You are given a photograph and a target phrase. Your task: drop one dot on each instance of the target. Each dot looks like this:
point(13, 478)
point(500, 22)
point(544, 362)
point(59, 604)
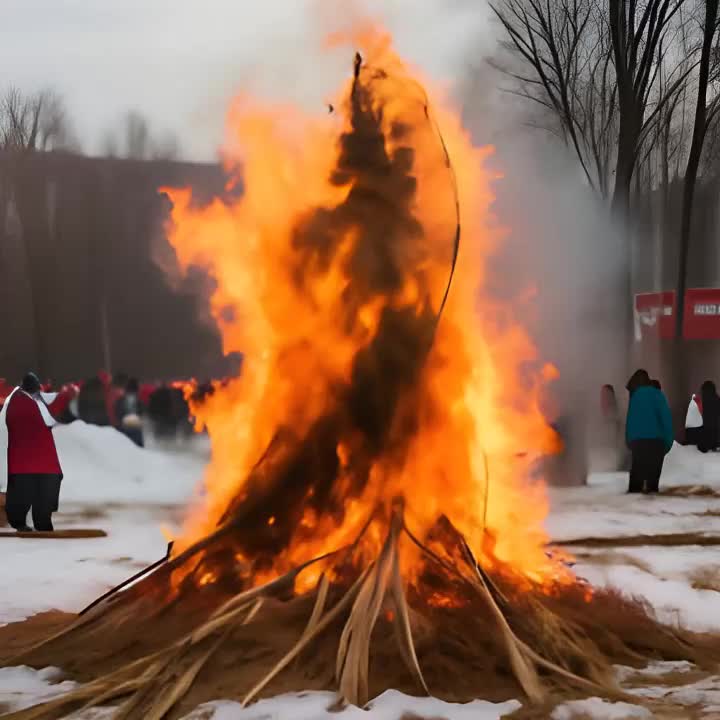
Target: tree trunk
point(624, 169)
point(698, 139)
point(691, 173)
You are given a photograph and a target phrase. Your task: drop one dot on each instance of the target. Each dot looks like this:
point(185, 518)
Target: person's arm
point(57, 405)
point(627, 423)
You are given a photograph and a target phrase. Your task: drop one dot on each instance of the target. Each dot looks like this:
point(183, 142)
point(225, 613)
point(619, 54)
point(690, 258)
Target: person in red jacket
point(34, 472)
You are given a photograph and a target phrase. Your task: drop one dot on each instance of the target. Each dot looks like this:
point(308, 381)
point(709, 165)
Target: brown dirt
point(454, 668)
point(612, 558)
point(690, 491)
point(707, 578)
point(660, 540)
point(17, 638)
point(460, 651)
point(56, 534)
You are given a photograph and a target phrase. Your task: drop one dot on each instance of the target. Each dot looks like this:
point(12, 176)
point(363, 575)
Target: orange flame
point(477, 430)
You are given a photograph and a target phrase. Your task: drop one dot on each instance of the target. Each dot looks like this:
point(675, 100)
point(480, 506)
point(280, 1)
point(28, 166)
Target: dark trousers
point(693, 435)
point(41, 493)
point(648, 457)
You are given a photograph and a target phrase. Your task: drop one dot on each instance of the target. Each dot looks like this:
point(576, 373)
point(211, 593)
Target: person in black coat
point(709, 435)
point(92, 405)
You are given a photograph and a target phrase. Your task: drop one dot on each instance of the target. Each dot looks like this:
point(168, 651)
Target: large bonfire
point(372, 515)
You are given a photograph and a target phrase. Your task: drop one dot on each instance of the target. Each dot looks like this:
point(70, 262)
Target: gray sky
point(180, 61)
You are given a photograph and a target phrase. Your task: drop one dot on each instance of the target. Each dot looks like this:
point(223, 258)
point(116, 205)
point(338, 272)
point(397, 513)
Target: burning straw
point(353, 543)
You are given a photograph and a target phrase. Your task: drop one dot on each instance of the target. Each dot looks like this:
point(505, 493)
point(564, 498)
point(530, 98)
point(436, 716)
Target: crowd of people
point(31, 410)
point(127, 404)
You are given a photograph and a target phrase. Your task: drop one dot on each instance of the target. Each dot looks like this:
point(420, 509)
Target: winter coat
point(31, 447)
point(649, 417)
point(710, 433)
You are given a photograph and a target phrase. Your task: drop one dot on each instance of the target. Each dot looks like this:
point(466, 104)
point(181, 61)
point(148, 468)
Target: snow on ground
point(391, 705)
point(598, 708)
point(131, 493)
point(671, 592)
point(102, 466)
point(23, 686)
point(603, 509)
point(681, 582)
point(68, 574)
point(110, 484)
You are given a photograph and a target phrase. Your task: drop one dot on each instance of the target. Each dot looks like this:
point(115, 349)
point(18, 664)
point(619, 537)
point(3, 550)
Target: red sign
point(702, 314)
point(655, 315)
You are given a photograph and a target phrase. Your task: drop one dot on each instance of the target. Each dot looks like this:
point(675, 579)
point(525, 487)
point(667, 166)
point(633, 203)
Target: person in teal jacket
point(648, 432)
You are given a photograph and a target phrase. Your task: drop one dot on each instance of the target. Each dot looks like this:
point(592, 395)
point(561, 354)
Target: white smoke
point(562, 245)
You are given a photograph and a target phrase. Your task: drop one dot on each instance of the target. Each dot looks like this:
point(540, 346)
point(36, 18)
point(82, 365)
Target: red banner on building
point(702, 314)
point(655, 315)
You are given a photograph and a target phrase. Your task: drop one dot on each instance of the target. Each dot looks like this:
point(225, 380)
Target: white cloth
point(3, 422)
point(40, 401)
point(47, 417)
point(693, 418)
point(3, 412)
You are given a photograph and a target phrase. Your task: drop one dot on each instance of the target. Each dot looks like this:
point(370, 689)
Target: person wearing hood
point(709, 434)
point(648, 432)
point(34, 472)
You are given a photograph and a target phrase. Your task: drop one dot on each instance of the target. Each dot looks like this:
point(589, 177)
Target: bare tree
point(109, 144)
point(558, 65)
point(38, 121)
point(136, 141)
point(19, 120)
point(166, 147)
point(703, 116)
point(639, 30)
point(710, 162)
point(594, 66)
point(55, 131)
point(137, 136)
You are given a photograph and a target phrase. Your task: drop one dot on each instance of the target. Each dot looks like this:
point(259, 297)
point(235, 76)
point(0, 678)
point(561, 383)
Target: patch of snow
point(595, 707)
point(686, 465)
point(654, 669)
point(23, 686)
point(391, 705)
point(608, 512)
point(101, 465)
point(705, 693)
point(69, 574)
point(675, 602)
